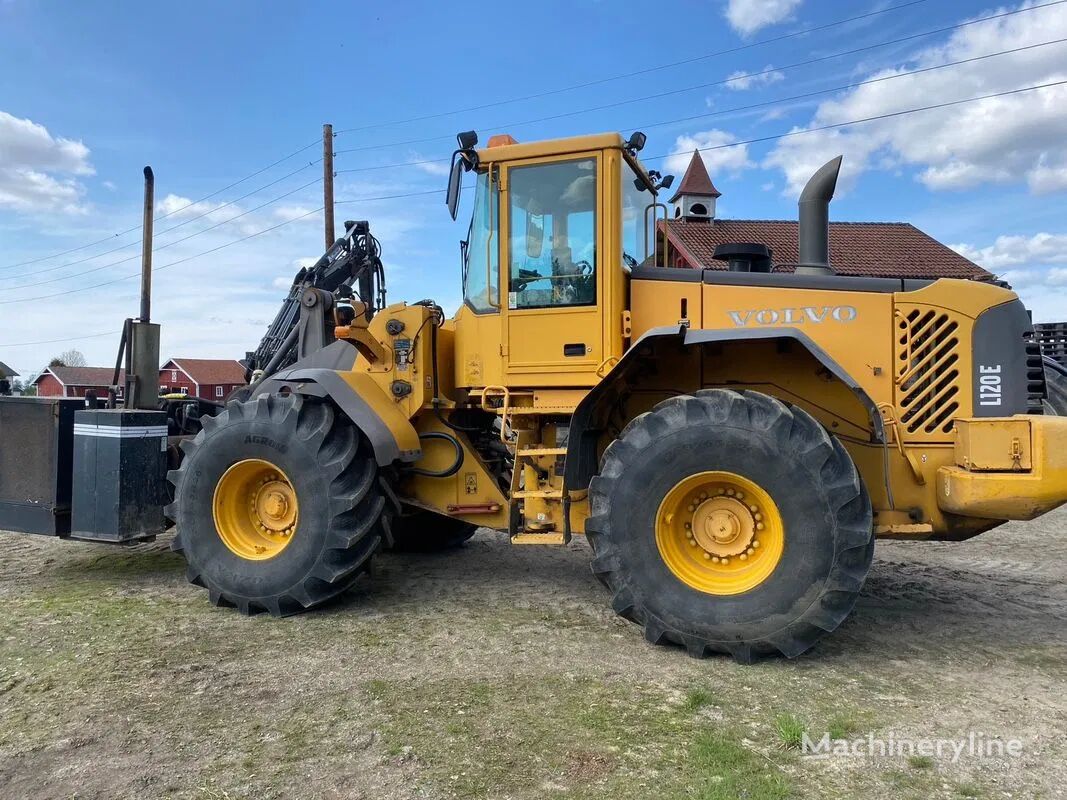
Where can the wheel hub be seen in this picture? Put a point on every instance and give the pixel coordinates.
(255, 509)
(719, 532)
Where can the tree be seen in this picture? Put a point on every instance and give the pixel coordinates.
(69, 358)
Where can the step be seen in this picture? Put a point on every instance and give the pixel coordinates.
(556, 538)
(536, 452)
(544, 494)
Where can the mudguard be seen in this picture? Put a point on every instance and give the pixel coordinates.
(327, 373)
(581, 462)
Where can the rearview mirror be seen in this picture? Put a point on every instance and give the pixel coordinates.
(455, 178)
(535, 235)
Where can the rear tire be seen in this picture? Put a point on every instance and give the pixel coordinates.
(331, 471)
(1055, 387)
(804, 476)
(426, 532)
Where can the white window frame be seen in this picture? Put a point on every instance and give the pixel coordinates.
(219, 392)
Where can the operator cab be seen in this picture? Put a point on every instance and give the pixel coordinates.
(543, 256)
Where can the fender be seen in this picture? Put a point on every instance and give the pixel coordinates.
(327, 373)
(581, 463)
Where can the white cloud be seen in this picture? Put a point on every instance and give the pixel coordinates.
(741, 80)
(1012, 251)
(37, 170)
(428, 165)
(1016, 138)
(717, 157)
(748, 16)
(1032, 265)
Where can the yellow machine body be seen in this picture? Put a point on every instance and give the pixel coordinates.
(888, 371)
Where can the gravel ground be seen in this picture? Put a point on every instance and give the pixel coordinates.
(500, 672)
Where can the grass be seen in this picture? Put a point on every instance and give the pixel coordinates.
(790, 730)
(696, 699)
(921, 762)
(725, 770)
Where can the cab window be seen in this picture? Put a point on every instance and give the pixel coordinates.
(638, 220)
(481, 265)
(552, 258)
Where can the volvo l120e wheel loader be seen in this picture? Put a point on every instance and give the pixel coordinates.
(732, 442)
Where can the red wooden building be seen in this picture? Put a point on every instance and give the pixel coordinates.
(75, 381)
(206, 378)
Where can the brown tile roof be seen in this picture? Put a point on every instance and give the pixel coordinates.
(696, 180)
(873, 249)
(83, 376)
(210, 371)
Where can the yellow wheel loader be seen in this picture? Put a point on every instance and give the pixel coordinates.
(731, 441)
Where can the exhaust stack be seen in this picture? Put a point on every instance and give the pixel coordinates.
(814, 229)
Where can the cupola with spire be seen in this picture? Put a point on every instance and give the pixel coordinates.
(696, 195)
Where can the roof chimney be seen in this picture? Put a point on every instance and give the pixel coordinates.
(696, 195)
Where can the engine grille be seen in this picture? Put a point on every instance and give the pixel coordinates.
(928, 371)
(1035, 378)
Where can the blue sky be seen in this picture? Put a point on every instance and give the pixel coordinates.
(208, 93)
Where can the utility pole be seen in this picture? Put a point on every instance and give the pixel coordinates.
(327, 182)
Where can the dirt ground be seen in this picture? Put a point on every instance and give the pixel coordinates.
(500, 672)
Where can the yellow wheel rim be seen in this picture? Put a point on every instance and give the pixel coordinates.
(255, 509)
(719, 533)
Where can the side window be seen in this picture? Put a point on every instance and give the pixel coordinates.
(552, 246)
(481, 268)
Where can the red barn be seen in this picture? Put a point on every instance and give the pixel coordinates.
(206, 378)
(75, 381)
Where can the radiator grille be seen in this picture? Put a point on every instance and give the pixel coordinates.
(1035, 378)
(928, 371)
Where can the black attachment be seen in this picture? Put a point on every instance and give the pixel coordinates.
(744, 256)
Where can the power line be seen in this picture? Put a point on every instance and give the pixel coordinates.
(669, 92)
(765, 103)
(56, 341)
(785, 135)
(168, 244)
(172, 227)
(888, 115)
(635, 73)
(168, 214)
(219, 247)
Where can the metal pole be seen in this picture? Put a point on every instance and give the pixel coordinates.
(146, 246)
(327, 182)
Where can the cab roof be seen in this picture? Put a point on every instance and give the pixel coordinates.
(550, 147)
(510, 150)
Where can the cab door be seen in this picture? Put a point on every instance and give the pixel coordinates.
(553, 270)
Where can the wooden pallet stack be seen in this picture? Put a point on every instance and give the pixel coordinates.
(1052, 337)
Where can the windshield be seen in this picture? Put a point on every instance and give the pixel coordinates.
(638, 220)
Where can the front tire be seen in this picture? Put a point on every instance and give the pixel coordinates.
(277, 505)
(675, 525)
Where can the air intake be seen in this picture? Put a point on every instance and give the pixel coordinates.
(743, 257)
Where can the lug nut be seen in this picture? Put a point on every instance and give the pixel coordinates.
(753, 509)
(725, 560)
(707, 555)
(755, 544)
(730, 492)
(743, 556)
(715, 559)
